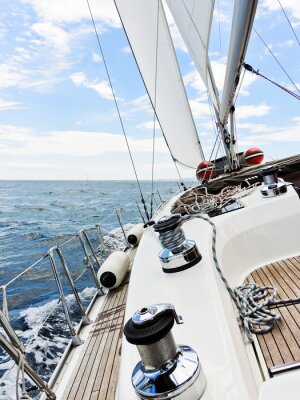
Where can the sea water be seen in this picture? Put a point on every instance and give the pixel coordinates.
(37, 215)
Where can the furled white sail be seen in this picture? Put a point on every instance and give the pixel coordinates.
(193, 19)
(148, 33)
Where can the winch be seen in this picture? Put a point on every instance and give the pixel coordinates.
(166, 370)
(273, 186)
(178, 252)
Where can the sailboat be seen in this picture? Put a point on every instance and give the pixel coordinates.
(212, 309)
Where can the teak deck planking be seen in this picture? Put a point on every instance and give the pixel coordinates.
(281, 346)
(95, 377)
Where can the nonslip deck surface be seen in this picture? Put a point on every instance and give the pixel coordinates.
(281, 346)
(96, 375)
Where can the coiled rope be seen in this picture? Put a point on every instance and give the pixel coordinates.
(172, 239)
(255, 315)
(195, 202)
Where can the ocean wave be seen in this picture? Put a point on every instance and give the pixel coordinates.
(44, 340)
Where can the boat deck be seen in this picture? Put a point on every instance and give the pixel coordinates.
(95, 376)
(281, 346)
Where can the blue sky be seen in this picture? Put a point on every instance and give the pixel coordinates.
(57, 117)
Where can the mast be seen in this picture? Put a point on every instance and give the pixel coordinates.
(243, 17)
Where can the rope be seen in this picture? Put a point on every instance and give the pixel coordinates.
(172, 239)
(203, 203)
(252, 301)
(255, 316)
(251, 69)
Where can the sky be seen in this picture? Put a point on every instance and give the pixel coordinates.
(57, 115)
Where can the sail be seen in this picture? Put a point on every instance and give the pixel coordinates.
(193, 19)
(148, 34)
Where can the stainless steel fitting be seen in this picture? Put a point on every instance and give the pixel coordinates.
(166, 370)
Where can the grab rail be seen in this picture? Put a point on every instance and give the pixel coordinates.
(83, 237)
(85, 319)
(14, 347)
(16, 350)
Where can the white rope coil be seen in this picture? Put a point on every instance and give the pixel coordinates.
(195, 202)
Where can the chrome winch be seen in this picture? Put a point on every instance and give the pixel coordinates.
(166, 370)
(178, 252)
(272, 185)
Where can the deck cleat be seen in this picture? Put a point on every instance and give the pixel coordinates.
(272, 185)
(178, 252)
(166, 370)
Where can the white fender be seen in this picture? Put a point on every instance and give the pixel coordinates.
(113, 270)
(135, 234)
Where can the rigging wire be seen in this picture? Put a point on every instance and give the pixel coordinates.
(217, 132)
(214, 126)
(251, 69)
(218, 149)
(118, 111)
(287, 18)
(179, 175)
(154, 116)
(281, 66)
(239, 88)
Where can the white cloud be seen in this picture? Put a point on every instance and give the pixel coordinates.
(102, 87)
(199, 109)
(194, 80)
(221, 17)
(255, 128)
(250, 111)
(27, 142)
(140, 104)
(291, 6)
(75, 11)
(287, 43)
(126, 50)
(74, 170)
(260, 134)
(52, 36)
(96, 58)
(148, 125)
(10, 105)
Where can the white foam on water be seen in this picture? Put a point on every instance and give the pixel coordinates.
(47, 351)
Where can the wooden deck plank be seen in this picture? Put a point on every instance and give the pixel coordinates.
(105, 322)
(109, 371)
(96, 376)
(111, 391)
(74, 381)
(282, 345)
(276, 357)
(78, 382)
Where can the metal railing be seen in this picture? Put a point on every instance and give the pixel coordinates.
(11, 344)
